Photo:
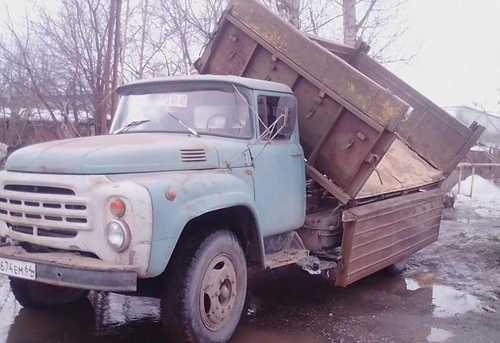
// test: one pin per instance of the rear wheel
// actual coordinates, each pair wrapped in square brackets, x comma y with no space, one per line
[398,267]
[32,294]
[206,293]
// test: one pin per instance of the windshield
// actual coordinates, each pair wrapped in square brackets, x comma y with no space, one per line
[212,110]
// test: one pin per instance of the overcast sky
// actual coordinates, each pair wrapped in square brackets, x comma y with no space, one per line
[458,51]
[457,48]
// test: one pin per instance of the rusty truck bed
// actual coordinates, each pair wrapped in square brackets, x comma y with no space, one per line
[366,134]
[352,111]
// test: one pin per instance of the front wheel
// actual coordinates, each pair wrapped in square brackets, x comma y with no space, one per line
[206,292]
[32,294]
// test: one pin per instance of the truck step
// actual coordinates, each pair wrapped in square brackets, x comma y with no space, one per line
[285,257]
[311,264]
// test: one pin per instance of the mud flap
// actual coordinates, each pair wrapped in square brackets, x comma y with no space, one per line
[384,232]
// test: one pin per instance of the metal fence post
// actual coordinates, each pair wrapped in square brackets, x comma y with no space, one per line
[460,169]
[472,180]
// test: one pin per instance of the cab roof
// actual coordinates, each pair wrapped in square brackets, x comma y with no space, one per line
[242,81]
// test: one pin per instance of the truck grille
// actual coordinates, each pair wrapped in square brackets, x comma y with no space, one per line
[43,211]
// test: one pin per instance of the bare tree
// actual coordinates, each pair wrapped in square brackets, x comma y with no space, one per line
[144,30]
[375,22]
[290,10]
[71,59]
[203,16]
[117,44]
[64,65]
[310,16]
[147,42]
[350,22]
[102,106]
[15,107]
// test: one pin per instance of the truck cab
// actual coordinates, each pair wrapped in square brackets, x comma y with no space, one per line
[195,173]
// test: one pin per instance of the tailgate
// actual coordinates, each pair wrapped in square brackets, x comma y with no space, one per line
[400,170]
[384,232]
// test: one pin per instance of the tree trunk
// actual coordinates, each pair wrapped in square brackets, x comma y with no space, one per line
[123,46]
[350,26]
[145,10]
[106,74]
[116,57]
[290,10]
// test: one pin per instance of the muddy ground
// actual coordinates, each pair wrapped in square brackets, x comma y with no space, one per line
[450,293]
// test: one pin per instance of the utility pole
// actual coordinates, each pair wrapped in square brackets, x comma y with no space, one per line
[350,25]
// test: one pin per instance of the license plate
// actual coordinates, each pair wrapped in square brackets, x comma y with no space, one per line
[19,269]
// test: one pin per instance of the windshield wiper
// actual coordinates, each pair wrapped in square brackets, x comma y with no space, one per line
[186,126]
[131,125]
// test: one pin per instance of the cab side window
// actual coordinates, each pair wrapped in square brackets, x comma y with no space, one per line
[277,117]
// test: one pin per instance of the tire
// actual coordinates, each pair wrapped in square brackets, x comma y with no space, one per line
[206,290]
[32,294]
[398,268]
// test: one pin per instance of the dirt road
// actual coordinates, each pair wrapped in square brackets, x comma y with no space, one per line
[450,293]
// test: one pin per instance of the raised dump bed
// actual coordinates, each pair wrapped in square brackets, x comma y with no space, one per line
[430,131]
[439,140]
[363,130]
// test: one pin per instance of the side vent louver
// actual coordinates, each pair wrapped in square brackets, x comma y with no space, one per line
[193,155]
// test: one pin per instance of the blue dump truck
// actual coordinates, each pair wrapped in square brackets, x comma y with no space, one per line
[286,150]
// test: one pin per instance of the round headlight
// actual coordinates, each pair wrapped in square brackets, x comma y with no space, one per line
[118,235]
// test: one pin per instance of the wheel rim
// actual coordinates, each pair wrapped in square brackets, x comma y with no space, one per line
[218,292]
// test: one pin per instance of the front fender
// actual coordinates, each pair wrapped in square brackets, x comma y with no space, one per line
[197,193]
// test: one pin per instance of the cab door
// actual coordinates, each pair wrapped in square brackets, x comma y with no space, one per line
[279,165]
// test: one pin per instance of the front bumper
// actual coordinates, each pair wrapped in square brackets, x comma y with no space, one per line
[73,270]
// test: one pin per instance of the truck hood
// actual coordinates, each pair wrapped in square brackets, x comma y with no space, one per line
[129,153]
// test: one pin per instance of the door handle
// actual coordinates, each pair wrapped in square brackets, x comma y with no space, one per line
[296,154]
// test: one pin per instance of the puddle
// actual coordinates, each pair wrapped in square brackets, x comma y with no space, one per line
[116,310]
[450,302]
[105,318]
[288,314]
[447,301]
[252,335]
[108,318]
[9,309]
[439,335]
[412,285]
[420,281]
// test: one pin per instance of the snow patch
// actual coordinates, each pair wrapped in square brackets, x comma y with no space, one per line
[485,197]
